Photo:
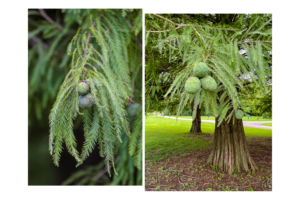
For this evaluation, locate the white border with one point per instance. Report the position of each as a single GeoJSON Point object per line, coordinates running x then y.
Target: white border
{"type": "Point", "coordinates": [14, 116]}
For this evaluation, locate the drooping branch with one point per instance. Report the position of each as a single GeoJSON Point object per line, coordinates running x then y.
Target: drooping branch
{"type": "Point", "coordinates": [87, 41]}
{"type": "Point", "coordinates": [86, 47]}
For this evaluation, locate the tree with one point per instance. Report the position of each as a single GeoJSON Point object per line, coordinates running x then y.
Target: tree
{"type": "Point", "coordinates": [236, 48]}
{"type": "Point", "coordinates": [160, 72]}
{"type": "Point", "coordinates": [258, 103]}
{"type": "Point", "coordinates": [101, 42]}
{"type": "Point", "coordinates": [196, 123]}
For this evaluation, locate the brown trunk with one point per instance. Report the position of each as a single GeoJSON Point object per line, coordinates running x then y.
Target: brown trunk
{"type": "Point", "coordinates": [230, 150]}
{"type": "Point", "coordinates": [196, 124]}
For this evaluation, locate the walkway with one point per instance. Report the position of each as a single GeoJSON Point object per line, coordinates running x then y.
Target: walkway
{"type": "Point", "coordinates": [252, 124]}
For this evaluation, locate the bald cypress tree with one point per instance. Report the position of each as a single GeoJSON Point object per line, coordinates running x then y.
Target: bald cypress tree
{"type": "Point", "coordinates": [236, 48]}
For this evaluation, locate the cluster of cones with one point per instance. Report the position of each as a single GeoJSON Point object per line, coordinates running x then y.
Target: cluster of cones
{"type": "Point", "coordinates": [202, 79]}
{"type": "Point", "coordinates": [85, 98]}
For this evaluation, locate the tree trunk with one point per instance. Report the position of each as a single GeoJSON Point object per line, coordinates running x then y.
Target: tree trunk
{"type": "Point", "coordinates": [230, 150]}
{"type": "Point", "coordinates": [196, 124]}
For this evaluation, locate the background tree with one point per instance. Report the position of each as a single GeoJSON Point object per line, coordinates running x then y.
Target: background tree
{"type": "Point", "coordinates": [160, 71]}
{"type": "Point", "coordinates": [237, 49]}
{"type": "Point", "coordinates": [256, 102]}
{"type": "Point", "coordinates": [50, 32]}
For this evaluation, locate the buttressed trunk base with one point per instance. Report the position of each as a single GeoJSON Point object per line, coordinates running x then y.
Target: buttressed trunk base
{"type": "Point", "coordinates": [230, 150]}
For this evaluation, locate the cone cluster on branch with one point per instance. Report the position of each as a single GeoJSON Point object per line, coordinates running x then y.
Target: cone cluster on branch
{"type": "Point", "coordinates": [201, 79]}
{"type": "Point", "coordinates": [85, 99]}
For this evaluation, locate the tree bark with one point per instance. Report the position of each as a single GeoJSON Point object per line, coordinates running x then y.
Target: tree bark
{"type": "Point", "coordinates": [230, 150]}
{"type": "Point", "coordinates": [196, 124]}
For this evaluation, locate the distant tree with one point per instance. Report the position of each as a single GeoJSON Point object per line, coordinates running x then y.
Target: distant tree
{"type": "Point", "coordinates": [257, 102]}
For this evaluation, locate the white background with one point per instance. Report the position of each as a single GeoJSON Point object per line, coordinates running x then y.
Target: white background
{"type": "Point", "coordinates": [14, 99]}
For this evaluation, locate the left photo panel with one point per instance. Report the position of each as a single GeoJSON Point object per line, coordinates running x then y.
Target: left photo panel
{"type": "Point", "coordinates": [85, 97]}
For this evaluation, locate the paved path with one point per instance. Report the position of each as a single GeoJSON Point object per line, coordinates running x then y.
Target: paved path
{"type": "Point", "coordinates": [253, 124]}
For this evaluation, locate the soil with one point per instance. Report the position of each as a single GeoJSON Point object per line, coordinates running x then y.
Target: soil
{"type": "Point", "coordinates": [189, 172]}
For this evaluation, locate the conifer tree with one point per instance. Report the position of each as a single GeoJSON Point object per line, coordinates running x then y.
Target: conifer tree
{"type": "Point", "coordinates": [236, 48]}
{"type": "Point", "coordinates": [102, 60]}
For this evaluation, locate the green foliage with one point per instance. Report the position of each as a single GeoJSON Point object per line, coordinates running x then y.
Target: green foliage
{"type": "Point", "coordinates": [256, 102]}
{"type": "Point", "coordinates": [264, 104]}
{"type": "Point", "coordinates": [100, 61]}
{"type": "Point", "coordinates": [192, 85]}
{"type": "Point", "coordinates": [232, 46]}
{"type": "Point", "coordinates": [96, 174]}
{"type": "Point", "coordinates": [136, 141]}
{"type": "Point", "coordinates": [48, 64]}
{"type": "Point", "coordinates": [186, 112]}
{"type": "Point", "coordinates": [166, 112]}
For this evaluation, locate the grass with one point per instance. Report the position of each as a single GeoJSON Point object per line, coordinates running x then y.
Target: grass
{"type": "Point", "coordinates": [252, 118]}
{"type": "Point", "coordinates": [267, 124]}
{"type": "Point", "coordinates": [165, 137]}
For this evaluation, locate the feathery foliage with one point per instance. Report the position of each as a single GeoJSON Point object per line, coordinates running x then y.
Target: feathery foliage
{"type": "Point", "coordinates": [136, 142]}
{"type": "Point", "coordinates": [101, 55]}
{"type": "Point", "coordinates": [236, 48]}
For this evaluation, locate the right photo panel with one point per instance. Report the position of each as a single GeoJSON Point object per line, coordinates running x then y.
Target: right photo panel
{"type": "Point", "coordinates": [208, 102]}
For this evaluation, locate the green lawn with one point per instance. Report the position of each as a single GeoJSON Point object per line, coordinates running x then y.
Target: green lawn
{"type": "Point", "coordinates": [267, 124]}
{"type": "Point", "coordinates": [165, 137]}
{"type": "Point", "coordinates": [252, 118]}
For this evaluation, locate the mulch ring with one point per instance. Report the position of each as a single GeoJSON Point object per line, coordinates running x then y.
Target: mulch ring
{"type": "Point", "coordinates": [189, 172]}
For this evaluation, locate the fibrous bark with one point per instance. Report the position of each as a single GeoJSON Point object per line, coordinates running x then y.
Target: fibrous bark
{"type": "Point", "coordinates": [230, 151]}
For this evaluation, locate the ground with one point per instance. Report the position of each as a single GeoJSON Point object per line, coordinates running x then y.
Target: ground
{"type": "Point", "coordinates": [175, 159]}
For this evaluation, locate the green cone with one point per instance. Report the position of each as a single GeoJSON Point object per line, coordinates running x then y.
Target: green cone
{"type": "Point", "coordinates": [134, 109]}
{"type": "Point", "coordinates": [83, 88]}
{"type": "Point", "coordinates": [209, 83]}
{"type": "Point", "coordinates": [86, 101]}
{"type": "Point", "coordinates": [239, 114]}
{"type": "Point", "coordinates": [200, 70]}
{"type": "Point", "coordinates": [192, 85]}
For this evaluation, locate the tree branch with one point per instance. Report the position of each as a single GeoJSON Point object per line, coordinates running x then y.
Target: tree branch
{"type": "Point", "coordinates": [49, 19]}
{"type": "Point", "coordinates": [164, 18]}
{"type": "Point", "coordinates": [88, 41]}
{"type": "Point", "coordinates": [85, 49]}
